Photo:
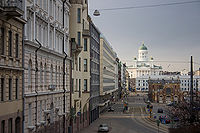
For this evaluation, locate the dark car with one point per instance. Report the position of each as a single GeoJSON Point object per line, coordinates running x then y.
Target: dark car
{"type": "Point", "coordinates": [160, 110]}
{"type": "Point", "coordinates": [110, 109]}
{"type": "Point", "coordinates": [103, 128]}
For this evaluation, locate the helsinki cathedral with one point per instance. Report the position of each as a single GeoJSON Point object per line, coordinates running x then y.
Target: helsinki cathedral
{"type": "Point", "coordinates": [143, 65]}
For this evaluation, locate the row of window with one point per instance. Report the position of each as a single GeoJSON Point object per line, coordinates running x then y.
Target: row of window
{"type": "Point", "coordinates": [13, 87]}
{"type": "Point", "coordinates": [77, 86]}
{"type": "Point", "coordinates": [13, 43]}
{"type": "Point", "coordinates": [78, 67]}
{"type": "Point", "coordinates": [10, 125]}
{"type": "Point", "coordinates": [43, 74]}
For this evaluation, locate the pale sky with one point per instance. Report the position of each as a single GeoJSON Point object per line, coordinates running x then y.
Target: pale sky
{"type": "Point", "coordinates": [171, 33]}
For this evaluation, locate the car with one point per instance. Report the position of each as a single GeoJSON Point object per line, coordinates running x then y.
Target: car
{"type": "Point", "coordinates": [160, 110]}
{"type": "Point", "coordinates": [103, 128]}
{"type": "Point", "coordinates": [171, 104]}
{"type": "Point", "coordinates": [110, 109]}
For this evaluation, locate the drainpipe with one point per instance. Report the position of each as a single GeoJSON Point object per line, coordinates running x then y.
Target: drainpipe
{"type": "Point", "coordinates": [23, 99]}
{"type": "Point", "coordinates": [36, 70]}
{"type": "Point", "coordinates": [64, 73]}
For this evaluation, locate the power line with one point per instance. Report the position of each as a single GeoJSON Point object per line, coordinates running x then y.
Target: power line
{"type": "Point", "coordinates": [150, 6]}
{"type": "Point", "coordinates": [167, 61]}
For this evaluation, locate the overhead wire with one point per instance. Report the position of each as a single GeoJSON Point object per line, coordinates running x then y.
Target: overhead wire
{"type": "Point", "coordinates": [150, 6]}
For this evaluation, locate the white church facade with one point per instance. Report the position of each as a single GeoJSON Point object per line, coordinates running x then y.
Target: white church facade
{"type": "Point", "coordinates": [143, 65]}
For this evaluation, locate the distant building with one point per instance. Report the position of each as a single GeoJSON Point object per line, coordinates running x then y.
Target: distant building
{"type": "Point", "coordinates": [143, 65]}
{"type": "Point", "coordinates": [108, 72]}
{"type": "Point", "coordinates": [164, 90]}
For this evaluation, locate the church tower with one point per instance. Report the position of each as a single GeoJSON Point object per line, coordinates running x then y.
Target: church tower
{"type": "Point", "coordinates": [143, 53]}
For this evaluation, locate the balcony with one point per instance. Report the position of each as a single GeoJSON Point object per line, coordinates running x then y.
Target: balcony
{"type": "Point", "coordinates": [86, 31]}
{"type": "Point", "coordinates": [76, 49]}
{"type": "Point", "coordinates": [12, 8]}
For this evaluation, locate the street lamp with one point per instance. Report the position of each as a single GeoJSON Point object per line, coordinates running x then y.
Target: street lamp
{"type": "Point", "coordinates": [96, 13]}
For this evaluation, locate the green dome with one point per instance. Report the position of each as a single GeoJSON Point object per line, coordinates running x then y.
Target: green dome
{"type": "Point", "coordinates": [143, 47]}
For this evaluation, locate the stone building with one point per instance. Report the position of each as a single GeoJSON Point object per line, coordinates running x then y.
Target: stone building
{"type": "Point", "coordinates": [80, 42]}
{"type": "Point", "coordinates": [11, 66]}
{"type": "Point", "coordinates": [108, 74]}
{"type": "Point", "coordinates": [164, 90]}
{"type": "Point", "coordinates": [47, 66]}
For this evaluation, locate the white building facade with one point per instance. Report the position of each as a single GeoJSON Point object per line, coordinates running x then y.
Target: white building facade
{"type": "Point", "coordinates": [143, 65]}
{"type": "Point", "coordinates": [46, 83]}
{"type": "Point", "coordinates": [142, 82]}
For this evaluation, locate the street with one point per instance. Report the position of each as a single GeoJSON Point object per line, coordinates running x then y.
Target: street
{"type": "Point", "coordinates": [135, 120]}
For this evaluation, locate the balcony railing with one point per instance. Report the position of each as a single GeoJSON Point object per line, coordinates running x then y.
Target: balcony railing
{"type": "Point", "coordinates": [12, 7]}
{"type": "Point", "coordinates": [75, 47]}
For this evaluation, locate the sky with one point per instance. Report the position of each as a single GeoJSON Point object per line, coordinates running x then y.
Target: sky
{"type": "Point", "coordinates": [171, 33]}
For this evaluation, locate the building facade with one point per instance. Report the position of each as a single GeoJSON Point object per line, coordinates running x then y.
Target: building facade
{"type": "Point", "coordinates": [94, 72]}
{"type": "Point", "coordinates": [143, 65]}
{"type": "Point", "coordinates": [164, 91]}
{"type": "Point", "coordinates": [47, 66]}
{"type": "Point", "coordinates": [80, 42]}
{"type": "Point", "coordinates": [108, 72]}
{"type": "Point", "coordinates": [11, 66]}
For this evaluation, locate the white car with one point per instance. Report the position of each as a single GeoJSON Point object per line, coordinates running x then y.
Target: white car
{"type": "Point", "coordinates": [103, 128]}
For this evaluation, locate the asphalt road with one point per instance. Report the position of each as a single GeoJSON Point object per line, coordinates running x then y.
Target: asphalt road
{"type": "Point", "coordinates": [133, 121]}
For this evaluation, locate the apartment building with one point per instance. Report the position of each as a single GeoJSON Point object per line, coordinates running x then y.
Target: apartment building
{"type": "Point", "coordinates": [94, 72]}
{"type": "Point", "coordinates": [11, 66]}
{"type": "Point", "coordinates": [47, 66]}
{"type": "Point", "coordinates": [80, 43]}
{"type": "Point", "coordinates": [108, 73]}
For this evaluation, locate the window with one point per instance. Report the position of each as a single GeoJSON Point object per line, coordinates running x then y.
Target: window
{"type": "Point", "coordinates": [29, 114]}
{"type": "Point", "coordinates": [79, 87]}
{"type": "Point", "coordinates": [10, 43]}
{"type": "Point", "coordinates": [79, 15]}
{"type": "Point", "coordinates": [76, 84]}
{"type": "Point", "coordinates": [85, 84]}
{"type": "Point", "coordinates": [45, 74]}
{"type": "Point", "coordinates": [79, 64]}
{"type": "Point", "coordinates": [16, 88]}
{"type": "Point", "coordinates": [85, 44]}
{"type": "Point", "coordinates": [10, 89]}
{"type": "Point", "coordinates": [72, 85]}
{"type": "Point", "coordinates": [40, 117]}
{"type": "Point", "coordinates": [2, 89]}
{"type": "Point", "coordinates": [3, 126]}
{"type": "Point", "coordinates": [10, 125]}
{"type": "Point", "coordinates": [41, 75]}
{"type": "Point", "coordinates": [51, 77]}
{"type": "Point", "coordinates": [17, 125]}
{"type": "Point", "coordinates": [79, 38]}
{"type": "Point", "coordinates": [16, 45]}
{"type": "Point", "coordinates": [29, 73]}
{"type": "Point", "coordinates": [2, 34]}
{"type": "Point", "coordinates": [85, 65]}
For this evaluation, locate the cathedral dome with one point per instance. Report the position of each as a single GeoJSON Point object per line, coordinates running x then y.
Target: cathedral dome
{"type": "Point", "coordinates": [143, 47]}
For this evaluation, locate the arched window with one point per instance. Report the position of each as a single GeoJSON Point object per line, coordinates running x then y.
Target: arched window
{"type": "Point", "coordinates": [56, 77]}
{"type": "Point", "coordinates": [41, 75]}
{"type": "Point", "coordinates": [51, 76]}
{"type": "Point", "coordinates": [59, 82]}
{"type": "Point", "coordinates": [17, 125]}
{"type": "Point", "coordinates": [29, 73]}
{"type": "Point", "coordinates": [45, 74]}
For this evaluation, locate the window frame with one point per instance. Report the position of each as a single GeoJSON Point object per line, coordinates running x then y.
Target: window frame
{"type": "Point", "coordinates": [10, 43]}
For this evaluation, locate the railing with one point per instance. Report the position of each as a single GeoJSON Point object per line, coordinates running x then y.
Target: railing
{"type": "Point", "coordinates": [11, 3]}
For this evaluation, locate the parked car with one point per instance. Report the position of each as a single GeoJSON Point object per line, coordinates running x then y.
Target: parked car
{"type": "Point", "coordinates": [110, 109]}
{"type": "Point", "coordinates": [103, 128]}
{"type": "Point", "coordinates": [160, 110]}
